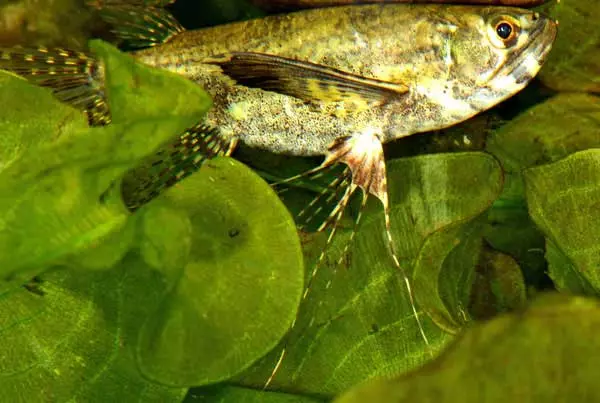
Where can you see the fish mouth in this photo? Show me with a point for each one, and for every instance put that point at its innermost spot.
(524, 63)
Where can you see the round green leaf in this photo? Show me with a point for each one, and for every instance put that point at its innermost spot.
(232, 394)
(31, 117)
(63, 196)
(357, 321)
(445, 266)
(139, 92)
(499, 285)
(548, 132)
(240, 288)
(73, 335)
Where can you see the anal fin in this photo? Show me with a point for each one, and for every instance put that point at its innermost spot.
(76, 78)
(172, 163)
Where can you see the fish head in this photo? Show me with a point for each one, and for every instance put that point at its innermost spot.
(504, 51)
(482, 56)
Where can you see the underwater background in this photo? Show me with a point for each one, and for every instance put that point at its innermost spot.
(190, 298)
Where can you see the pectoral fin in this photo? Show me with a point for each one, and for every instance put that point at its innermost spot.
(365, 171)
(308, 81)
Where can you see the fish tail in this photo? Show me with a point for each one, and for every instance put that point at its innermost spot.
(75, 77)
(138, 23)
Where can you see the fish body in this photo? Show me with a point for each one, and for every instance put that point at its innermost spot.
(446, 63)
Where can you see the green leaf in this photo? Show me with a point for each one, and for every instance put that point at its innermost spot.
(565, 275)
(548, 132)
(20, 101)
(545, 133)
(232, 394)
(499, 285)
(443, 274)
(574, 62)
(546, 354)
(563, 201)
(132, 90)
(450, 254)
(241, 286)
(62, 196)
(167, 240)
(511, 230)
(73, 341)
(357, 322)
(105, 252)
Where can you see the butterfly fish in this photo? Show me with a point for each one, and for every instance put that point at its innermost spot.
(335, 82)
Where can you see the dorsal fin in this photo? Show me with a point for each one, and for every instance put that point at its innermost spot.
(308, 81)
(138, 23)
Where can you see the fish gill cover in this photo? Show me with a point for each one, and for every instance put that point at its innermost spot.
(194, 288)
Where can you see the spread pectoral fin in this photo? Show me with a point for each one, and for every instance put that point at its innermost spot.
(308, 81)
(361, 154)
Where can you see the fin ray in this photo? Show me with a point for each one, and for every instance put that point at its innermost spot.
(304, 80)
(172, 163)
(362, 154)
(138, 24)
(75, 77)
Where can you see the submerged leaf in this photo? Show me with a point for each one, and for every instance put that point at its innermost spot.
(232, 394)
(499, 285)
(546, 354)
(565, 275)
(510, 230)
(240, 288)
(357, 322)
(574, 61)
(132, 88)
(563, 201)
(59, 196)
(444, 272)
(545, 133)
(446, 263)
(72, 340)
(19, 133)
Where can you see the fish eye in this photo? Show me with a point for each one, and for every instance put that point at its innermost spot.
(507, 32)
(504, 30)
